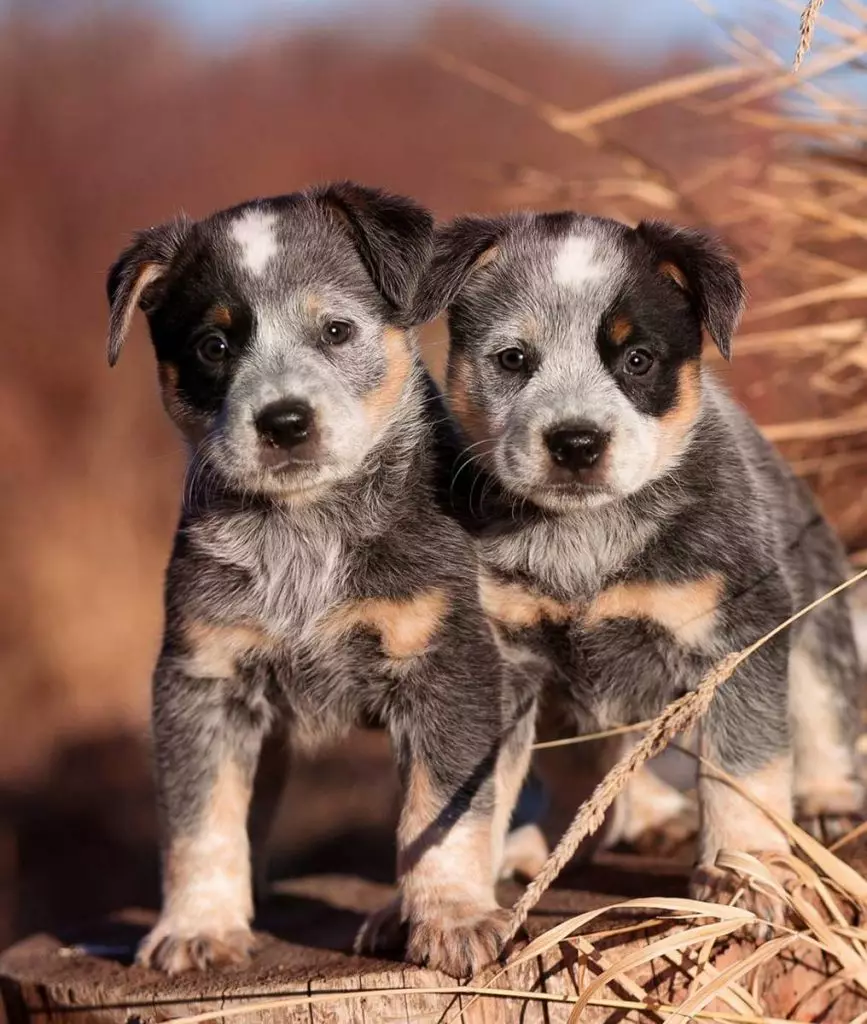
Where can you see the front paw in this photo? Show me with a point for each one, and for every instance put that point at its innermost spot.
(175, 950)
(712, 884)
(459, 941)
(384, 931)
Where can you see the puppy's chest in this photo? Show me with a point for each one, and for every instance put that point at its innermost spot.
(298, 581)
(603, 620)
(291, 577)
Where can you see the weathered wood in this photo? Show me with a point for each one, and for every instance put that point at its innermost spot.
(85, 978)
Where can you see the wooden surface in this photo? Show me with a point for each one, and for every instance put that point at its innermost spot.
(84, 977)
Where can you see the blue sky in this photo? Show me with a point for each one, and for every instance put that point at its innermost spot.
(628, 27)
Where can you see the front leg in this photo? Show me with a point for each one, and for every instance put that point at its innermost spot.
(746, 733)
(461, 771)
(206, 743)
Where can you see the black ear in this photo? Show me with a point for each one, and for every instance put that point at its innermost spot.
(460, 248)
(132, 275)
(703, 268)
(393, 236)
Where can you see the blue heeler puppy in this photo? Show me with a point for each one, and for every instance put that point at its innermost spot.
(633, 524)
(313, 584)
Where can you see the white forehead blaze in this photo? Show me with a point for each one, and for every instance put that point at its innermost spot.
(576, 262)
(254, 233)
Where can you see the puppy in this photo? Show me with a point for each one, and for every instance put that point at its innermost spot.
(634, 525)
(313, 583)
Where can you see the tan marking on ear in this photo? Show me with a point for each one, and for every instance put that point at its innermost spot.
(487, 257)
(191, 424)
(221, 316)
(688, 610)
(471, 417)
(406, 628)
(381, 401)
(675, 273)
(730, 821)
(621, 329)
(511, 604)
(148, 273)
(214, 649)
(676, 424)
(206, 873)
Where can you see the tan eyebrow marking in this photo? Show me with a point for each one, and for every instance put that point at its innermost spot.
(621, 329)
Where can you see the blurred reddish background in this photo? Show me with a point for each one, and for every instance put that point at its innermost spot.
(115, 122)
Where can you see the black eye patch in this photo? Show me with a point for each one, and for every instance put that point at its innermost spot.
(643, 351)
(203, 341)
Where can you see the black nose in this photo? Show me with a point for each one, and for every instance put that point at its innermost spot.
(285, 424)
(576, 446)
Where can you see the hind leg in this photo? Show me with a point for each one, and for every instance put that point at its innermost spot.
(824, 683)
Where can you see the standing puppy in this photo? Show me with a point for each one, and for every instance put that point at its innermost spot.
(634, 525)
(313, 585)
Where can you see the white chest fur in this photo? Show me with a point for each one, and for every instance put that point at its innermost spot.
(570, 555)
(296, 574)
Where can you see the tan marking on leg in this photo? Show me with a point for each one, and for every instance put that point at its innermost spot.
(647, 804)
(187, 420)
(731, 822)
(826, 774)
(688, 610)
(675, 273)
(214, 648)
(207, 886)
(443, 869)
(472, 418)
(446, 887)
(511, 604)
(676, 424)
(382, 400)
(513, 763)
(525, 852)
(405, 627)
(621, 329)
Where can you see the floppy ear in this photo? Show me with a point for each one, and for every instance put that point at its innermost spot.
(460, 248)
(701, 266)
(392, 234)
(132, 275)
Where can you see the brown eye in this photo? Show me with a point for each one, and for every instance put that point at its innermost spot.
(512, 359)
(212, 350)
(336, 332)
(638, 361)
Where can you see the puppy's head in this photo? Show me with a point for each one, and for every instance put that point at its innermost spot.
(280, 329)
(575, 346)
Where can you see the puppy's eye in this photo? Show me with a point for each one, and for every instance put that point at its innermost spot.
(212, 350)
(512, 359)
(638, 361)
(337, 332)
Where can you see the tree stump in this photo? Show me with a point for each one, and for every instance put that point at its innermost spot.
(85, 977)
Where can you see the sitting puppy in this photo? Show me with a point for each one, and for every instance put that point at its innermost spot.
(634, 525)
(313, 583)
